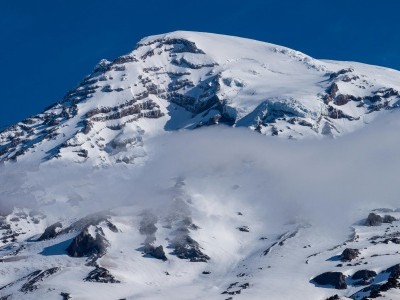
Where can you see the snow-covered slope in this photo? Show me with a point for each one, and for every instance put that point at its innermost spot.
(197, 244)
(187, 80)
(165, 204)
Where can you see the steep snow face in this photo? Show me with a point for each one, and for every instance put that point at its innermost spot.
(185, 80)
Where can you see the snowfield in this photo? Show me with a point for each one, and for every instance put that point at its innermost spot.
(162, 176)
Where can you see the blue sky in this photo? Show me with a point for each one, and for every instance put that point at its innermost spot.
(48, 46)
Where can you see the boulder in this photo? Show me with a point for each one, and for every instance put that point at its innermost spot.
(335, 279)
(156, 252)
(350, 254)
(341, 99)
(364, 277)
(65, 296)
(389, 219)
(244, 229)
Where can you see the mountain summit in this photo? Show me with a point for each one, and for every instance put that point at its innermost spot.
(186, 80)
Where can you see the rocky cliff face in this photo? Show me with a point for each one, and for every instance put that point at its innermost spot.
(189, 80)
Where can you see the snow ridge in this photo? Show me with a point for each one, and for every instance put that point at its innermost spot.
(186, 80)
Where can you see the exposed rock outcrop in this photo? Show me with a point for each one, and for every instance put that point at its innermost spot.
(50, 232)
(187, 248)
(101, 275)
(90, 242)
(35, 278)
(373, 220)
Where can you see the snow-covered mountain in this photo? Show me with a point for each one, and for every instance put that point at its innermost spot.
(127, 188)
(185, 80)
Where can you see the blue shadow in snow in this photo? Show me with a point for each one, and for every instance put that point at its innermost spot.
(57, 249)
